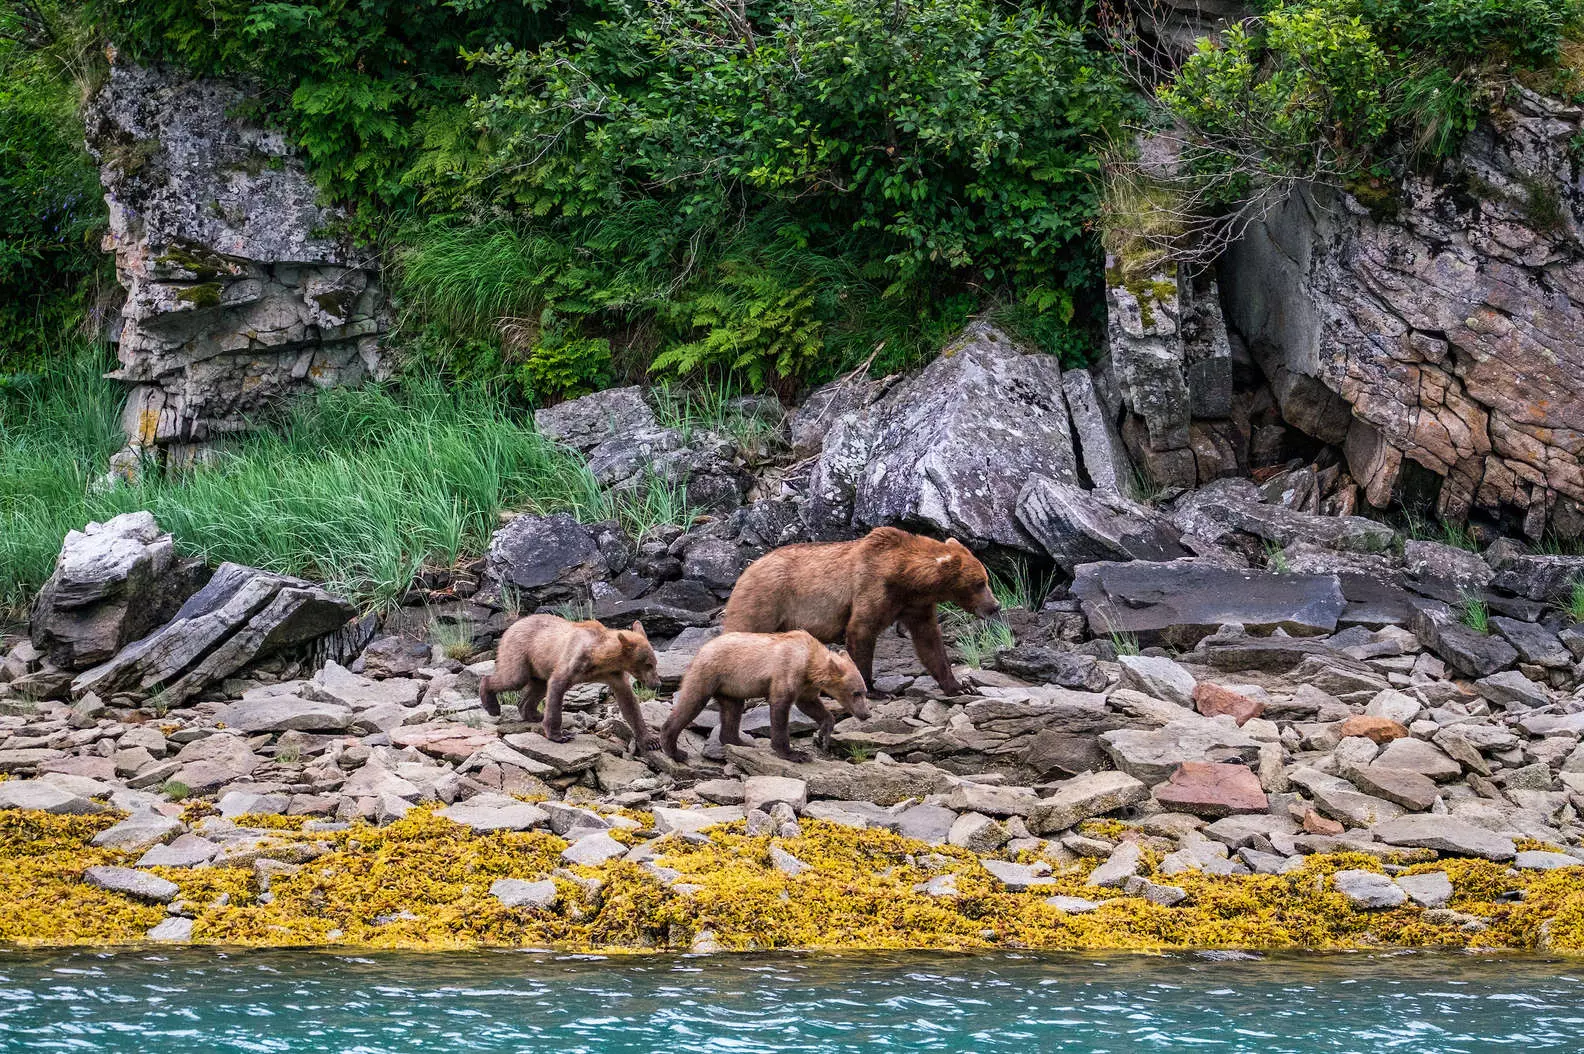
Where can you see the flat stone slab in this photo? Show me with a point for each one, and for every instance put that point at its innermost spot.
(1446, 835)
(691, 821)
(131, 882)
(1543, 860)
(1016, 877)
(172, 931)
(1430, 890)
(872, 781)
(139, 831)
(1213, 790)
(1183, 602)
(449, 740)
(283, 713)
(593, 849)
(495, 812)
(43, 796)
(761, 792)
(1153, 755)
(577, 755)
(190, 850)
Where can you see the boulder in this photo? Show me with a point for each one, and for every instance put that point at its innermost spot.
(1184, 601)
(1545, 578)
(1534, 643)
(1076, 526)
(592, 850)
(1123, 863)
(950, 449)
(1283, 526)
(1512, 690)
(280, 713)
(546, 560)
(1100, 448)
(1432, 889)
(586, 422)
(242, 615)
(1458, 570)
(1157, 676)
(1017, 877)
(1342, 801)
(213, 761)
(175, 930)
(761, 792)
(43, 796)
(1214, 700)
(1471, 653)
(495, 812)
(1050, 665)
(113, 582)
(883, 783)
(1408, 789)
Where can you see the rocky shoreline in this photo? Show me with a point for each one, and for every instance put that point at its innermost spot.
(1224, 718)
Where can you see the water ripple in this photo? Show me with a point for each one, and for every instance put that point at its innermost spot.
(280, 1002)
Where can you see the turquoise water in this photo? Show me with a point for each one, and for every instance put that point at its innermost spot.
(264, 1001)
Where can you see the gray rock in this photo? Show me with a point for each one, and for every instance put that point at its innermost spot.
(586, 422)
(1470, 653)
(1100, 447)
(1415, 755)
(1073, 905)
(1542, 860)
(517, 893)
(1152, 756)
(927, 823)
(1432, 889)
(1183, 601)
(883, 783)
(786, 863)
(1512, 690)
(990, 798)
(576, 755)
(1076, 526)
(1408, 789)
(1155, 892)
(495, 812)
(240, 293)
(1368, 891)
(1340, 800)
(858, 814)
(1534, 643)
(761, 792)
(280, 713)
(1159, 677)
(1123, 863)
(131, 882)
(138, 832)
(1083, 797)
(241, 616)
(1445, 834)
(1459, 569)
(44, 796)
(1545, 578)
(691, 821)
(1016, 877)
(977, 833)
(113, 582)
(951, 448)
(174, 930)
(565, 818)
(1283, 526)
(214, 761)
(939, 886)
(190, 850)
(593, 849)
(546, 559)
(1051, 665)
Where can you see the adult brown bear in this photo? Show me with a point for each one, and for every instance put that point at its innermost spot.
(854, 590)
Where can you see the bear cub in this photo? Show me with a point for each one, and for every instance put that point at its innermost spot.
(543, 655)
(788, 669)
(854, 590)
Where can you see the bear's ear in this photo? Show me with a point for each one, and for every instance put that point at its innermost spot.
(954, 542)
(638, 629)
(628, 645)
(949, 562)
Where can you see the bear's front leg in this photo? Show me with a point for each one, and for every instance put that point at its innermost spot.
(780, 735)
(824, 720)
(560, 681)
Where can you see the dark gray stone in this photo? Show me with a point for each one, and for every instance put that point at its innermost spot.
(1471, 653)
(1184, 601)
(1076, 526)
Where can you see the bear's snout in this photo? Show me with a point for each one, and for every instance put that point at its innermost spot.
(858, 706)
(989, 607)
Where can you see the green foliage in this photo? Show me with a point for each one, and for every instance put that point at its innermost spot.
(1575, 602)
(51, 207)
(1474, 613)
(975, 639)
(359, 488)
(367, 88)
(1356, 87)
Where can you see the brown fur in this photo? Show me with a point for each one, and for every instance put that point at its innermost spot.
(543, 655)
(854, 590)
(788, 669)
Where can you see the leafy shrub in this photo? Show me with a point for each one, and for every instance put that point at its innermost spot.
(1355, 87)
(51, 207)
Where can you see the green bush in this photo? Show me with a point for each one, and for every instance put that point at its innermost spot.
(1352, 88)
(51, 206)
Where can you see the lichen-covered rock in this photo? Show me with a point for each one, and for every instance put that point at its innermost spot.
(1076, 526)
(546, 559)
(950, 449)
(112, 583)
(237, 296)
(1450, 334)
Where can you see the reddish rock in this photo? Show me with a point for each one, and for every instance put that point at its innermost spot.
(1314, 823)
(1212, 700)
(1213, 789)
(449, 740)
(1379, 729)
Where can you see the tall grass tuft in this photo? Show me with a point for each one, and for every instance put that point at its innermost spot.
(358, 488)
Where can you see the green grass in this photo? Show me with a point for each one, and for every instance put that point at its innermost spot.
(358, 488)
(1457, 535)
(717, 407)
(976, 639)
(1575, 602)
(454, 639)
(1474, 613)
(1020, 587)
(1276, 559)
(1124, 643)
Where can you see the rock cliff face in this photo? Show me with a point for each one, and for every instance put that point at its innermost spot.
(238, 294)
(1446, 329)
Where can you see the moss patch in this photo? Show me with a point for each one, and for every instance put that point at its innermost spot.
(423, 883)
